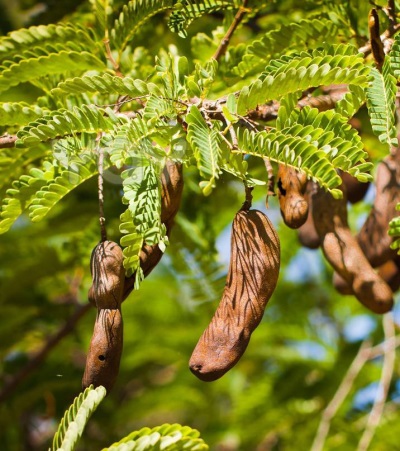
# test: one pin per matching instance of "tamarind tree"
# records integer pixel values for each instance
(149, 123)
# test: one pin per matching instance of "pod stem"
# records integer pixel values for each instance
(249, 198)
(100, 161)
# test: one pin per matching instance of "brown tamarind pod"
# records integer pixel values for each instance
(108, 276)
(355, 189)
(251, 280)
(373, 237)
(291, 188)
(102, 362)
(307, 234)
(342, 251)
(171, 195)
(389, 272)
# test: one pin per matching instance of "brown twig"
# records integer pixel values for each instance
(384, 384)
(100, 162)
(10, 386)
(271, 179)
(110, 58)
(7, 141)
(340, 395)
(236, 21)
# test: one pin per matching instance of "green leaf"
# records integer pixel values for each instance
(185, 13)
(335, 64)
(381, 103)
(305, 34)
(80, 169)
(19, 113)
(76, 417)
(292, 148)
(29, 69)
(351, 102)
(104, 84)
(206, 143)
(88, 119)
(394, 230)
(132, 17)
(171, 437)
(25, 39)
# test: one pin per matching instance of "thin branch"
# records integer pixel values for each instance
(7, 141)
(236, 21)
(271, 179)
(340, 395)
(384, 384)
(100, 162)
(11, 385)
(110, 58)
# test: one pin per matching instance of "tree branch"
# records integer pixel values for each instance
(10, 385)
(340, 395)
(7, 141)
(384, 383)
(236, 21)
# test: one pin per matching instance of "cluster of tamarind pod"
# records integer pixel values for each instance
(110, 287)
(364, 265)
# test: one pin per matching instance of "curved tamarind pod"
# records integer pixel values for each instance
(291, 188)
(355, 189)
(373, 237)
(251, 280)
(108, 275)
(389, 272)
(345, 255)
(102, 362)
(307, 234)
(171, 195)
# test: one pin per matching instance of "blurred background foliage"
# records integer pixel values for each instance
(296, 360)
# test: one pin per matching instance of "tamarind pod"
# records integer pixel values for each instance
(345, 255)
(251, 280)
(307, 234)
(108, 275)
(171, 195)
(355, 189)
(373, 237)
(102, 362)
(389, 272)
(291, 188)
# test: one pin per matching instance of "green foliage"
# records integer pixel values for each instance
(133, 15)
(335, 64)
(171, 437)
(206, 145)
(394, 230)
(381, 102)
(149, 96)
(187, 11)
(76, 417)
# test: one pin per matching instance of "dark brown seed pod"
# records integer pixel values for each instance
(291, 188)
(102, 363)
(252, 277)
(108, 275)
(307, 234)
(342, 251)
(373, 237)
(355, 189)
(389, 272)
(171, 195)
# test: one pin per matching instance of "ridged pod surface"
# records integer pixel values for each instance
(342, 251)
(102, 362)
(373, 237)
(291, 188)
(251, 280)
